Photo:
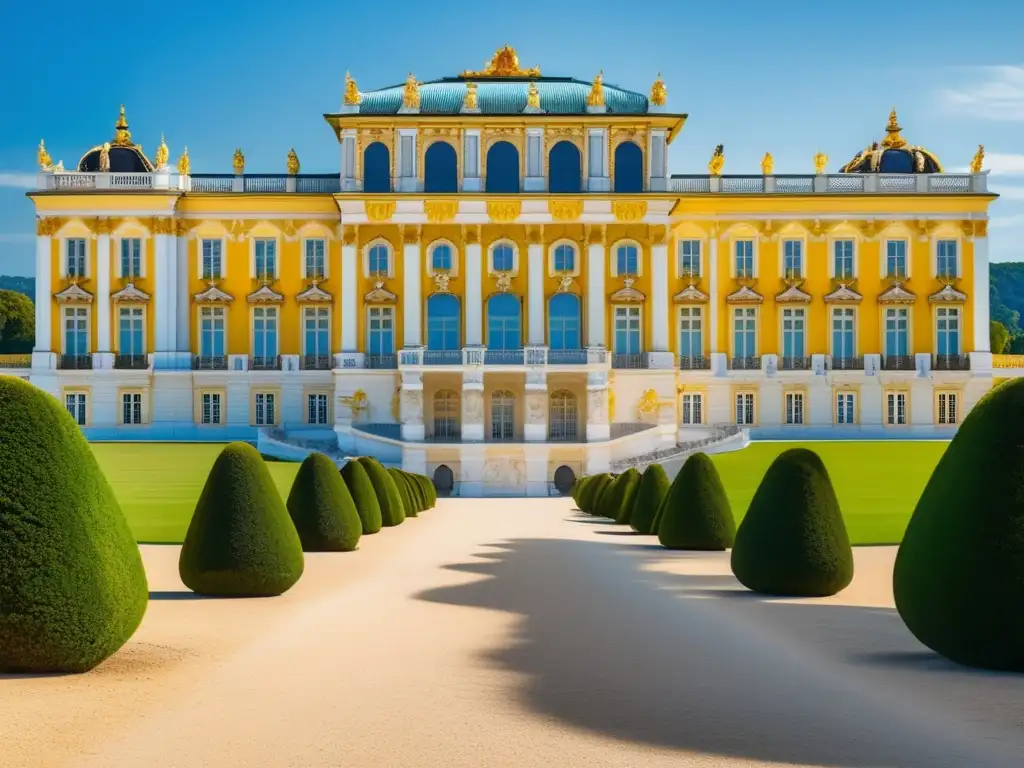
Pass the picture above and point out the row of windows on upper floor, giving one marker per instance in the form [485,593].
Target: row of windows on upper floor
[563,258]
[504,328]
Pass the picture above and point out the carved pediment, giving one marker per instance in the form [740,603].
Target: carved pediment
[130,294]
[314,295]
[380,295]
[213,295]
[745,295]
[74,293]
[897,294]
[265,295]
[948,295]
[793,295]
[628,294]
[843,294]
[691,294]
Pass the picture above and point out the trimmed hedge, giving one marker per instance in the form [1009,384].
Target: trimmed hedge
[592,491]
[413,490]
[72,585]
[241,541]
[577,489]
[322,509]
[959,573]
[397,476]
[363,495]
[392,512]
[654,485]
[793,541]
[617,501]
[428,491]
[696,512]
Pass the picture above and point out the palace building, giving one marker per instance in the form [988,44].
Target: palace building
[502,281]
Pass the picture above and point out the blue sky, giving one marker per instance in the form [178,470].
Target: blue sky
[791,77]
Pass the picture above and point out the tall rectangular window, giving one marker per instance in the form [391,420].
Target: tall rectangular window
[689,258]
[381,330]
[76,331]
[693,408]
[408,155]
[316,323]
[846,408]
[596,156]
[794,407]
[744,328]
[441,258]
[793,256]
[744,408]
[947,330]
[131,331]
[895,408]
[131,257]
[627,330]
[896,259]
[947,407]
[842,255]
[266,259]
[75,257]
[131,408]
[377,261]
[844,324]
[793,326]
[565,258]
[691,337]
[316,409]
[945,258]
[211,408]
[472,161]
[897,338]
[315,259]
[265,406]
[76,403]
[264,333]
[744,259]
[211,332]
[627,260]
[213,265]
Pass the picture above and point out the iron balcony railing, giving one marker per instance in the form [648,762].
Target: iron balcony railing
[76,362]
[131,362]
[745,363]
[846,363]
[442,357]
[567,357]
[898,363]
[265,363]
[15,361]
[382,362]
[316,362]
[503,357]
[951,363]
[694,363]
[795,363]
[210,362]
[631,361]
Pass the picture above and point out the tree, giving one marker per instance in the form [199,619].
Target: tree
[363,495]
[391,511]
[959,573]
[17,322]
[792,540]
[654,485]
[322,509]
[241,541]
[72,584]
[999,337]
[696,513]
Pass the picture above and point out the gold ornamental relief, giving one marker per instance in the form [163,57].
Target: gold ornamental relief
[565,210]
[629,210]
[50,225]
[162,226]
[441,211]
[594,234]
[659,234]
[410,233]
[981,228]
[380,210]
[100,225]
[181,227]
[349,235]
[472,234]
[504,211]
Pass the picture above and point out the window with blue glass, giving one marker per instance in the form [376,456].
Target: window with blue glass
[75,257]
[897,336]
[744,327]
[502,168]
[629,167]
[376,168]
[503,322]
[565,258]
[564,321]
[691,336]
[443,322]
[946,265]
[131,331]
[843,332]
[315,266]
[896,258]
[213,262]
[441,258]
[264,333]
[380,331]
[266,258]
[377,260]
[316,332]
[627,331]
[627,260]
[76,331]
[793,259]
[947,325]
[131,257]
[793,327]
[744,258]
[440,168]
[689,258]
[842,255]
[211,332]
[502,258]
[565,171]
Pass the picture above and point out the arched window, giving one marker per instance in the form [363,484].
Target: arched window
[446,415]
[503,413]
[503,322]
[378,260]
[564,168]
[441,258]
[564,322]
[376,168]
[627,260]
[565,258]
[440,168]
[629,167]
[503,258]
[502,168]
[562,412]
[442,322]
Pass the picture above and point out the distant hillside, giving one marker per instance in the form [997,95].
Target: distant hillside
[1006,294]
[26,285]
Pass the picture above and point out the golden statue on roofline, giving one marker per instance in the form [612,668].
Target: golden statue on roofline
[184,163]
[596,96]
[533,97]
[717,161]
[352,95]
[411,93]
[504,63]
[976,163]
[767,164]
[658,92]
[43,157]
[470,101]
[820,161]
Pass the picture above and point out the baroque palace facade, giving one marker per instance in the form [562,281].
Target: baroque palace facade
[503,279]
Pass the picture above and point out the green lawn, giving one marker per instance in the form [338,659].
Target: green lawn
[878,483]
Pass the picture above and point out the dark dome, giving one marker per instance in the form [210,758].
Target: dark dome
[893,155]
[124,156]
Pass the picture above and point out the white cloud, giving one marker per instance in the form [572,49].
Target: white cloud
[16,237]
[17,180]
[1002,222]
[996,94]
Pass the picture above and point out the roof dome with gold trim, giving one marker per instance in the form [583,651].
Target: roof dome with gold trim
[893,155]
[120,155]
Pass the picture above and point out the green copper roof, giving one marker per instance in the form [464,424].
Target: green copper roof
[559,96]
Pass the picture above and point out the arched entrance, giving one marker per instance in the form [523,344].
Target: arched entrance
[565,479]
[444,480]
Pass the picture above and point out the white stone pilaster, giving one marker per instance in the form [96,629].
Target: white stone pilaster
[471,161]
[659,297]
[43,300]
[474,295]
[411,406]
[184,306]
[412,301]
[597,160]
[534,180]
[102,301]
[407,180]
[595,294]
[982,342]
[713,292]
[598,424]
[348,160]
[658,163]
[472,405]
[349,298]
[165,306]
[535,426]
[535,292]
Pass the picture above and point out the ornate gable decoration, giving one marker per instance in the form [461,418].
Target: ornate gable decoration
[793,295]
[265,295]
[843,294]
[441,279]
[380,295]
[73,294]
[745,295]
[628,294]
[691,294]
[213,295]
[897,294]
[504,63]
[130,294]
[948,295]
[503,282]
[314,295]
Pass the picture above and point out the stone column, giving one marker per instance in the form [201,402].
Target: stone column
[183,309]
[412,301]
[471,161]
[535,428]
[165,302]
[713,290]
[534,180]
[349,292]
[595,287]
[411,406]
[43,300]
[659,297]
[535,286]
[472,405]
[103,357]
[598,425]
[348,160]
[474,288]
[979,295]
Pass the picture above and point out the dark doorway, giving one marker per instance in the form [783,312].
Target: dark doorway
[565,479]
[444,480]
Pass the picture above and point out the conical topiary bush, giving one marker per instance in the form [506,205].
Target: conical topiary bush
[403,492]
[72,585]
[577,489]
[654,485]
[241,541]
[363,495]
[427,489]
[322,509]
[592,491]
[696,512]
[959,573]
[413,490]
[617,501]
[391,511]
[792,540]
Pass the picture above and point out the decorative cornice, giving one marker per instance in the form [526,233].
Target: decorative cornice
[213,295]
[744,295]
[843,294]
[628,294]
[380,295]
[565,210]
[265,295]
[162,226]
[130,294]
[74,294]
[691,294]
[897,294]
[504,211]
[49,225]
[314,295]
[440,211]
[629,210]
[948,295]
[380,210]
